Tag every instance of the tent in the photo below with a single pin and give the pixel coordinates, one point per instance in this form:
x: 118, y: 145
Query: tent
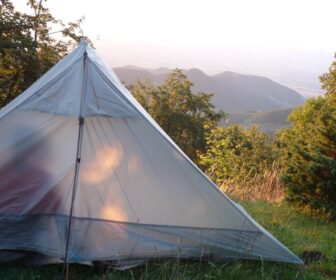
x: 87, y: 175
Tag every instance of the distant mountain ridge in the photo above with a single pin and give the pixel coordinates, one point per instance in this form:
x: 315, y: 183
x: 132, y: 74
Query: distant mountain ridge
x: 233, y: 92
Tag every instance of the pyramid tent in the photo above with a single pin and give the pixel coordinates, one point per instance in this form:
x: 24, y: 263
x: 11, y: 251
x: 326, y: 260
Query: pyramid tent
x: 87, y: 175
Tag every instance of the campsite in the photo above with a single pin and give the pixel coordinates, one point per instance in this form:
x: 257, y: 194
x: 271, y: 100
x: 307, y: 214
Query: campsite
x: 105, y: 179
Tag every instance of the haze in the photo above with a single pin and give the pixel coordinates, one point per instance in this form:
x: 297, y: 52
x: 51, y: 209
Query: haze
x: 291, y: 42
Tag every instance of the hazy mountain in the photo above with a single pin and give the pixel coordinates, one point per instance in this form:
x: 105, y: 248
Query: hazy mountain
x: 233, y: 92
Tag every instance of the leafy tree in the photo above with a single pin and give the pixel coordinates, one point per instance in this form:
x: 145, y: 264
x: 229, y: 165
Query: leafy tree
x: 328, y: 79
x: 27, y: 49
x: 236, y: 155
x: 178, y: 111
x: 309, y: 154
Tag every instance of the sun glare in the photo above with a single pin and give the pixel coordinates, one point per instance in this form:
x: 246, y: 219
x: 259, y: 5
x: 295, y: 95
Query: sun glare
x: 103, y: 165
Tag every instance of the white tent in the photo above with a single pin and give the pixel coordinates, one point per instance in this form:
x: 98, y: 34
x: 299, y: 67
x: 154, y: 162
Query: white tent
x: 86, y: 174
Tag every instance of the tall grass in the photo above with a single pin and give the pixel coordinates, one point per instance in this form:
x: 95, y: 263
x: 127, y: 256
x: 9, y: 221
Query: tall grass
x: 260, y: 186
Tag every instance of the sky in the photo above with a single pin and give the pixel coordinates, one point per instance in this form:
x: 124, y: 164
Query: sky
x: 275, y: 38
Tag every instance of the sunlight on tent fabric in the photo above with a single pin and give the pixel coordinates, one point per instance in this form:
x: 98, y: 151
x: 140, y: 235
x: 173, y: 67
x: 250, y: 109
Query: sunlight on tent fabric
x: 114, y: 213
x: 103, y: 165
x: 133, y: 164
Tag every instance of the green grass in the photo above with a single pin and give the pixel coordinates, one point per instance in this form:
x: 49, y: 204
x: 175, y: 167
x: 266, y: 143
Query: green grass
x: 295, y: 229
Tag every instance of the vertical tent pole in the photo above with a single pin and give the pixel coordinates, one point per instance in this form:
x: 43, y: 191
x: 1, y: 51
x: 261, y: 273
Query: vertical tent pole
x: 65, y: 272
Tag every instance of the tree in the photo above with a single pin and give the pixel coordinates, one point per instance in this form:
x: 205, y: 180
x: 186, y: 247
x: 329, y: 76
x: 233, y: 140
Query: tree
x: 27, y: 49
x: 178, y: 111
x: 328, y: 79
x: 309, y: 155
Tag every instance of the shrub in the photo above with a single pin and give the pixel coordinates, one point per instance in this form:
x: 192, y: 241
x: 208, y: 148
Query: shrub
x: 242, y: 162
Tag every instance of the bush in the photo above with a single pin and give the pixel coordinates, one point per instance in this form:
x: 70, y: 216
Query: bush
x: 242, y: 162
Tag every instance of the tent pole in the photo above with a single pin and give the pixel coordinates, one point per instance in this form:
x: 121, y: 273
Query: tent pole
x: 65, y: 273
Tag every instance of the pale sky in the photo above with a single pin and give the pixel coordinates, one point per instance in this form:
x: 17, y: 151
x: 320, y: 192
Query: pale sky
x: 205, y: 24
x: 213, y: 35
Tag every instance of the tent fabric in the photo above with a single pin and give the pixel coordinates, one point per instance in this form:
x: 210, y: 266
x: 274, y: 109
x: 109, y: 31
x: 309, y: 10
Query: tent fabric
x: 137, y: 196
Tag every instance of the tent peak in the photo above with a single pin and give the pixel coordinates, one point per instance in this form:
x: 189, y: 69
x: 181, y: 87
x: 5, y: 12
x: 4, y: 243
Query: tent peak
x: 84, y: 41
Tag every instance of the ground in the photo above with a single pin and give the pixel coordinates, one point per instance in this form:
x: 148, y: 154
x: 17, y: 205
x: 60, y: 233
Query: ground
x: 299, y: 231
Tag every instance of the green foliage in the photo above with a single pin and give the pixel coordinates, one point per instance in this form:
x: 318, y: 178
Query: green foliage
x: 178, y: 111
x: 27, y: 49
x: 328, y: 79
x: 309, y: 155
x: 235, y: 154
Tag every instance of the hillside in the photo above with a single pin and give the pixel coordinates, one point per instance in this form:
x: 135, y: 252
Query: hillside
x: 269, y: 121
x: 233, y: 92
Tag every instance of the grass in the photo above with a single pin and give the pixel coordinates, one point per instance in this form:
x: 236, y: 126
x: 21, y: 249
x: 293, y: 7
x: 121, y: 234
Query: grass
x: 298, y: 230
x: 265, y: 186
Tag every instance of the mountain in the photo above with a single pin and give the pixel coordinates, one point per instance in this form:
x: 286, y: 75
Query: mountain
x: 232, y: 92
